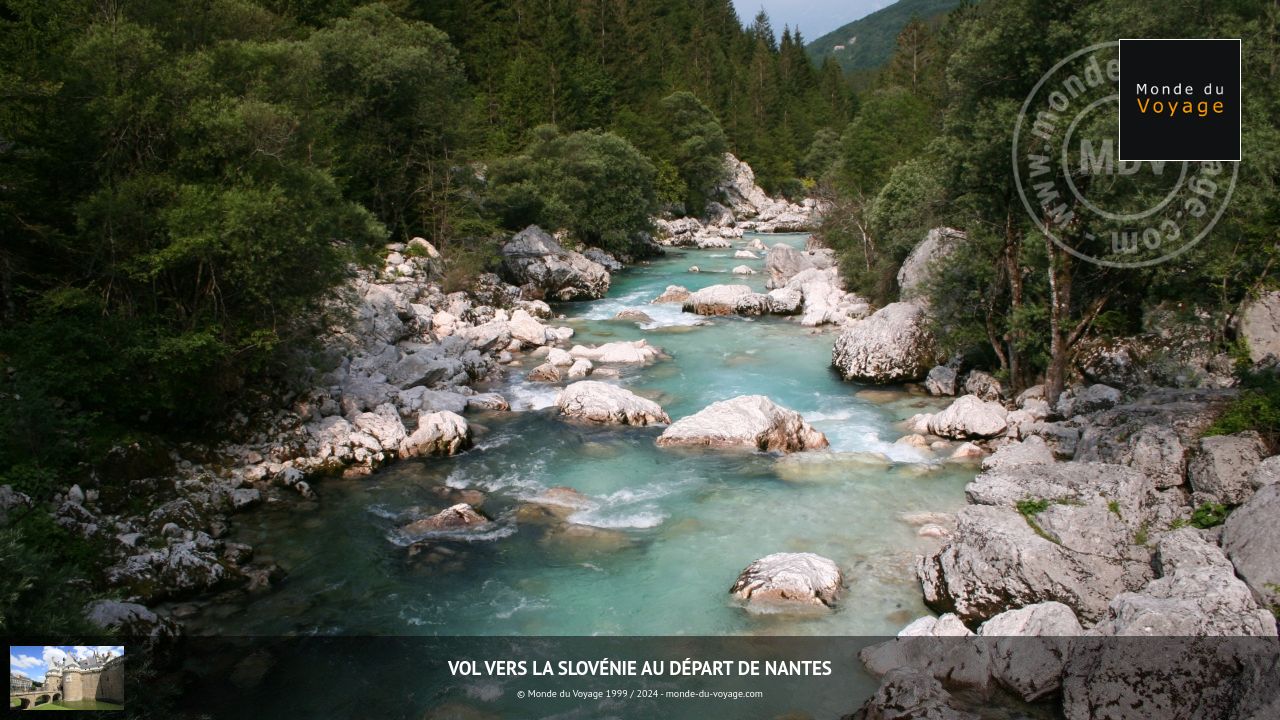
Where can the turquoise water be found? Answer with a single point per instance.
(666, 531)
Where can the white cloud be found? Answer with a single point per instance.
(53, 655)
(24, 661)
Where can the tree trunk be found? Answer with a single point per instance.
(1059, 312)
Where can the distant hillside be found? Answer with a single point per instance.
(867, 43)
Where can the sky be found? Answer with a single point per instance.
(34, 661)
(814, 17)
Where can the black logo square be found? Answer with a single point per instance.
(1179, 100)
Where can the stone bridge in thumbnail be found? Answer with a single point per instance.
(31, 698)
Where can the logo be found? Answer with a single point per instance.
(1082, 196)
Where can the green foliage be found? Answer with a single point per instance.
(697, 149)
(1209, 515)
(1033, 506)
(45, 585)
(1256, 408)
(594, 184)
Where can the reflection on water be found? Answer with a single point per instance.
(660, 535)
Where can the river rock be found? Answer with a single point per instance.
(534, 258)
(605, 403)
(1152, 433)
(559, 357)
(738, 188)
(745, 255)
(1132, 498)
(129, 620)
(1221, 467)
(785, 301)
(969, 417)
(526, 328)
(634, 352)
(580, 368)
(1251, 539)
(916, 271)
(1041, 619)
(458, 517)
(783, 262)
(748, 421)
(941, 380)
(984, 386)
(1032, 451)
(893, 345)
(906, 693)
(1196, 594)
(743, 270)
(546, 372)
(383, 425)
(995, 561)
(938, 647)
(717, 215)
(1028, 647)
(673, 294)
(633, 315)
(789, 580)
(1091, 399)
(181, 568)
(438, 433)
(727, 300)
(603, 259)
(1260, 326)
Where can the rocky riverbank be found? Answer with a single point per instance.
(1097, 516)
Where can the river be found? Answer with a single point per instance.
(667, 530)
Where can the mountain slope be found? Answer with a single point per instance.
(868, 42)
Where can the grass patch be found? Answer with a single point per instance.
(1114, 507)
(1141, 535)
(1033, 507)
(1209, 515)
(1029, 508)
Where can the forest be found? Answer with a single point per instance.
(181, 183)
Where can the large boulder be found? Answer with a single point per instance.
(739, 189)
(823, 299)
(604, 403)
(1197, 593)
(1260, 326)
(997, 559)
(941, 381)
(968, 417)
(906, 693)
(534, 258)
(129, 620)
(893, 345)
(1251, 540)
(748, 421)
(438, 433)
(1153, 433)
(784, 262)
(1220, 469)
(727, 300)
(1032, 451)
(789, 580)
(914, 275)
(1133, 499)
